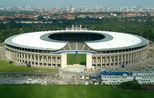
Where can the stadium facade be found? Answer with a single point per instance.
(50, 48)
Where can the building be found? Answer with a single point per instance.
(115, 78)
(144, 77)
(100, 48)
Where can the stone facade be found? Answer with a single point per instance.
(33, 59)
(116, 59)
(99, 60)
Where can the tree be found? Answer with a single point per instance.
(131, 85)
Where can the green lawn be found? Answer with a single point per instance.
(76, 59)
(70, 91)
(6, 67)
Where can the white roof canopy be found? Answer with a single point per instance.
(33, 40)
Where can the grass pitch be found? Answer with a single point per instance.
(6, 67)
(70, 91)
(76, 59)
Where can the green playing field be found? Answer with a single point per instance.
(76, 59)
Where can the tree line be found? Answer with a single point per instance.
(142, 26)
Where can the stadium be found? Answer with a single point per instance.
(88, 48)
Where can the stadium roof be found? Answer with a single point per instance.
(41, 40)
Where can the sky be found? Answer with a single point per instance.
(76, 3)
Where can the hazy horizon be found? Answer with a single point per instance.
(76, 3)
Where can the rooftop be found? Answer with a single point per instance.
(109, 40)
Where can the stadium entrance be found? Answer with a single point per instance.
(76, 59)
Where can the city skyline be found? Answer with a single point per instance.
(76, 3)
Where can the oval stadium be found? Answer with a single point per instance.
(88, 48)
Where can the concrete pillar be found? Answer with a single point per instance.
(19, 57)
(133, 57)
(110, 60)
(114, 60)
(56, 60)
(101, 60)
(63, 60)
(47, 60)
(96, 61)
(38, 60)
(125, 59)
(51, 60)
(89, 61)
(118, 60)
(31, 59)
(24, 57)
(43, 60)
(122, 58)
(105, 61)
(34, 60)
